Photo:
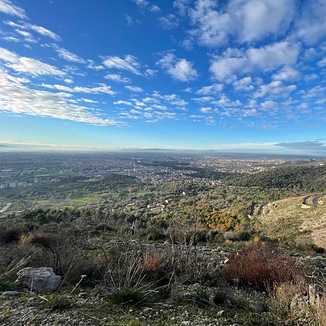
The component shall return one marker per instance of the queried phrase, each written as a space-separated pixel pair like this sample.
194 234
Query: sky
237 75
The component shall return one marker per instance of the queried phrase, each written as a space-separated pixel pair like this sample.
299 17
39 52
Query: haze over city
232 75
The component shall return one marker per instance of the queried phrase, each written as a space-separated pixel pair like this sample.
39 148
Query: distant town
20 170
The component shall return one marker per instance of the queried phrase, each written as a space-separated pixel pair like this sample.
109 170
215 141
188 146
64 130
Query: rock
41 279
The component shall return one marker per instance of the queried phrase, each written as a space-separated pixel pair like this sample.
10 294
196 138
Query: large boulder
41 279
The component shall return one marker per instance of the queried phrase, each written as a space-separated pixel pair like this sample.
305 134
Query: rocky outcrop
41 279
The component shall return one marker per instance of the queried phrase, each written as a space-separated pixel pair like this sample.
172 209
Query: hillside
203 252
291 221
304 178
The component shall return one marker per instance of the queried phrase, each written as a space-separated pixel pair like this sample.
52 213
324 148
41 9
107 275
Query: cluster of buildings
149 168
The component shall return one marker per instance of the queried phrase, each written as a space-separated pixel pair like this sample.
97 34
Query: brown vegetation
262 265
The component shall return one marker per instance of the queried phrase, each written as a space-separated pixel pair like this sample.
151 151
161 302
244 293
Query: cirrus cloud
29 66
128 63
7 7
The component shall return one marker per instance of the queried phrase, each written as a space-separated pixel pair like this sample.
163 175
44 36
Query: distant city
19 170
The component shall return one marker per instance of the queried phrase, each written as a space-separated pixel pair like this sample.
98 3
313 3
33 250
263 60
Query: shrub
156 268
126 295
220 297
311 247
122 261
57 302
202 297
152 234
241 235
66 254
262 265
9 236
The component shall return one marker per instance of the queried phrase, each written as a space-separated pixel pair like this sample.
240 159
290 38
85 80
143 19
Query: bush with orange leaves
262 266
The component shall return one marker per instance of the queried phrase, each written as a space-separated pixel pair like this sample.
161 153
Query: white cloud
260 18
224 101
205 110
246 146
128 63
263 59
244 84
311 77
178 69
7 7
226 68
35 28
247 20
274 55
169 21
11 39
287 73
150 100
19 99
269 104
173 99
131 21
117 78
86 100
27 36
68 81
315 92
143 4
213 26
94 66
155 8
212 89
121 102
275 88
160 107
181 6
68 56
43 31
28 66
134 89
102 88
150 72
203 99
322 62
311 26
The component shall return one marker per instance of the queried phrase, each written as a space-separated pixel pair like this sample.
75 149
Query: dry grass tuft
25 239
153 260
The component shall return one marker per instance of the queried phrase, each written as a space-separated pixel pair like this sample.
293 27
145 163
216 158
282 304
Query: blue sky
186 74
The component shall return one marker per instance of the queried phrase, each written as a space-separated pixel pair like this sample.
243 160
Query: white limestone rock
41 279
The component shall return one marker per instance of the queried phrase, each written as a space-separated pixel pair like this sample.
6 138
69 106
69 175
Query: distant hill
309 178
